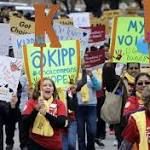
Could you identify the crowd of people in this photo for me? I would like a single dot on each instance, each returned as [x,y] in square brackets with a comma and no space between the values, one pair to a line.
[47,122]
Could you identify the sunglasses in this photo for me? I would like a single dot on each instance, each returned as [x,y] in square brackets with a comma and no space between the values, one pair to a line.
[135,68]
[142,83]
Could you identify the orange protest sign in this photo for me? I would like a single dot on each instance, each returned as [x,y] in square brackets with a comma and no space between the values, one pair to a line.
[147,20]
[43,24]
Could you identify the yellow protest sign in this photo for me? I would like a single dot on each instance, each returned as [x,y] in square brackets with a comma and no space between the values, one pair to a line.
[112,13]
[21,25]
[58,63]
[108,17]
[125,35]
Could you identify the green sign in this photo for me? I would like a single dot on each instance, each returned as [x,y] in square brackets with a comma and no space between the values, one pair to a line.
[58,63]
[125,34]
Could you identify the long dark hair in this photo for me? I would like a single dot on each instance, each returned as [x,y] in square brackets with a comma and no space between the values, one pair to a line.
[109,76]
[36,91]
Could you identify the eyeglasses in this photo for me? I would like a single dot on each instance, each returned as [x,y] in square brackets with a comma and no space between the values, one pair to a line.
[135,68]
[142,83]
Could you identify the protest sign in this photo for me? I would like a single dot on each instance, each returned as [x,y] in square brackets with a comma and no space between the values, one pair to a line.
[147,20]
[44,25]
[21,25]
[4,38]
[80,19]
[63,32]
[58,63]
[94,58]
[125,34]
[10,71]
[109,15]
[64,21]
[97,34]
[94,21]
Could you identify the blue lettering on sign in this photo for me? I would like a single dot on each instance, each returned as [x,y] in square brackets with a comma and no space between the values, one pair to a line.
[71,54]
[127,40]
[120,39]
[60,79]
[132,24]
[21,42]
[51,57]
[137,26]
[36,59]
[55,58]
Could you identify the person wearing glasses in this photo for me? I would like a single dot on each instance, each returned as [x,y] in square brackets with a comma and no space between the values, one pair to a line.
[135,101]
[133,69]
[136,135]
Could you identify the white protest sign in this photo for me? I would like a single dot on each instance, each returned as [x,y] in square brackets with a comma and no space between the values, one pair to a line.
[4,38]
[63,32]
[10,72]
[80,19]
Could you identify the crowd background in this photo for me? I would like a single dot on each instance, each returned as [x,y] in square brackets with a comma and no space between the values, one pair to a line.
[29,112]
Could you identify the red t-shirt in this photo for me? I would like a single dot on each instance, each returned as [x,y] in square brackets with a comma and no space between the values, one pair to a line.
[133,104]
[131,133]
[54,142]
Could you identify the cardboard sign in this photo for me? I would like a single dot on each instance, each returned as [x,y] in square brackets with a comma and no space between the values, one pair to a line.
[43,24]
[80,19]
[4,38]
[147,20]
[58,63]
[97,34]
[10,71]
[94,58]
[125,34]
[21,25]
[63,32]
[64,21]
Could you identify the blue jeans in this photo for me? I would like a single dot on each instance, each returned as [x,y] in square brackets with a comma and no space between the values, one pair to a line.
[69,138]
[86,117]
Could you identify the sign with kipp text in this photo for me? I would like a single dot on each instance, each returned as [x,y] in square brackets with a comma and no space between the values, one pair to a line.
[58,63]
[147,20]
[10,72]
[63,32]
[4,38]
[125,34]
[21,25]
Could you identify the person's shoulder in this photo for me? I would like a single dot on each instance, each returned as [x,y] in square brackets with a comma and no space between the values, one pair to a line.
[132,99]
[58,102]
[31,101]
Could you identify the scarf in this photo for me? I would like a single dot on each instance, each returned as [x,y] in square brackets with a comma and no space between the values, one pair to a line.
[41,125]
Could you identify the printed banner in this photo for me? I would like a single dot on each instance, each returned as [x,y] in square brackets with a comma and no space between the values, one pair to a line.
[125,35]
[10,71]
[60,64]
[4,38]
[21,25]
[63,32]
[94,58]
[97,34]
[147,20]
